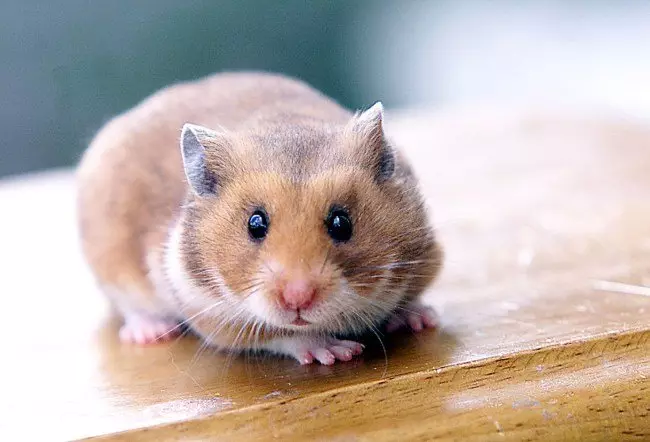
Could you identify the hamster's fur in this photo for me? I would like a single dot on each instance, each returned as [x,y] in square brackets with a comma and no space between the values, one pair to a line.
[170,194]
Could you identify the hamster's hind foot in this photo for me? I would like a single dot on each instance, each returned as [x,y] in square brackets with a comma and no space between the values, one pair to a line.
[415,316]
[144,330]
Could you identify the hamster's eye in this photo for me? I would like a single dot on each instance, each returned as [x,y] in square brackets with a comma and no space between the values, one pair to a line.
[339,225]
[258,225]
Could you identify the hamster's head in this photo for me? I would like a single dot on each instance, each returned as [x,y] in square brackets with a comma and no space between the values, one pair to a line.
[312,227]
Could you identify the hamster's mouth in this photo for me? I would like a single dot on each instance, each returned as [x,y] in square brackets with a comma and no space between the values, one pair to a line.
[300,321]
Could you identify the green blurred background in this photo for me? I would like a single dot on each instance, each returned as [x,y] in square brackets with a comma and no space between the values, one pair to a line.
[67,66]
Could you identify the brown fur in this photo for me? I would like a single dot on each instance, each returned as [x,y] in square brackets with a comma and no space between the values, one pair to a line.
[290,150]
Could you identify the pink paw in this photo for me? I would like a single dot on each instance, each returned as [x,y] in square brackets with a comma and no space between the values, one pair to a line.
[328,352]
[415,315]
[307,349]
[142,330]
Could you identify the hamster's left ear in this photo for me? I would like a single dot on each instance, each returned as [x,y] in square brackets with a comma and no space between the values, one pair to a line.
[371,144]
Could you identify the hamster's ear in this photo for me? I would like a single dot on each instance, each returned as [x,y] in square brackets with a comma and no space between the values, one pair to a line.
[375,152]
[204,153]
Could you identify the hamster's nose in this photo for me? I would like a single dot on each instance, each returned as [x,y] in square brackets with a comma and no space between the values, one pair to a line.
[298,294]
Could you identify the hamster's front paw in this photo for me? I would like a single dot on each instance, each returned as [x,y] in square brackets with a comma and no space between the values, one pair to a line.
[144,330]
[324,350]
[415,315]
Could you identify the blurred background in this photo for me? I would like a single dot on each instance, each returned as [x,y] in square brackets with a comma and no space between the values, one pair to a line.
[67,66]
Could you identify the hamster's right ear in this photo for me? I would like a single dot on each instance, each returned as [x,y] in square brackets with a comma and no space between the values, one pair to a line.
[204,153]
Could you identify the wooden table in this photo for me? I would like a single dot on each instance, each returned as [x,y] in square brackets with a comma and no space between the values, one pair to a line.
[546,323]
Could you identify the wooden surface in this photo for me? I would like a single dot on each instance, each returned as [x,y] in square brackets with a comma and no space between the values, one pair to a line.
[545,321]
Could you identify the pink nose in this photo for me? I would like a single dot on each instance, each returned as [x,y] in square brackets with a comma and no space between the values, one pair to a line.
[298,294]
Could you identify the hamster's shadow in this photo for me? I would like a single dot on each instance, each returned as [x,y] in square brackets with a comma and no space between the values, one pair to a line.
[433,346]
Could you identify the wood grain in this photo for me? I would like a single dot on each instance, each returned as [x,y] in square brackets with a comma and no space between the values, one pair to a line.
[539,216]
[582,385]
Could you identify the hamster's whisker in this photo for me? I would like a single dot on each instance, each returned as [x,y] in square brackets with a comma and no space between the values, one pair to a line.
[398,264]
[344,323]
[204,271]
[252,332]
[221,325]
[339,322]
[368,322]
[233,349]
[263,329]
[327,255]
[213,284]
[389,307]
[409,234]
[383,309]
[225,323]
[360,270]
[251,329]
[267,267]
[362,285]
[251,287]
[399,278]
[187,320]
[231,319]
[256,336]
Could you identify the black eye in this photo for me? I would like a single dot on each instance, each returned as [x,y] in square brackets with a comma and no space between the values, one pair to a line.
[339,225]
[258,225]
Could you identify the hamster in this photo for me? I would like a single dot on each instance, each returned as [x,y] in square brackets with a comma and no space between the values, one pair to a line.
[258,213]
